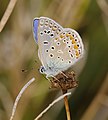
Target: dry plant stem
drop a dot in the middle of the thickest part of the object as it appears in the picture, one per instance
(50, 105)
(19, 96)
(65, 81)
(66, 105)
(7, 13)
(103, 6)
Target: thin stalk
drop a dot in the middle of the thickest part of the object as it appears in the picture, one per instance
(7, 13)
(66, 106)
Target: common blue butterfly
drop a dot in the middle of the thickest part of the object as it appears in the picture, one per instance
(59, 48)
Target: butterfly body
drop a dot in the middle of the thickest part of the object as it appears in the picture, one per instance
(59, 48)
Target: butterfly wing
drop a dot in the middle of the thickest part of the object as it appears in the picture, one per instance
(45, 29)
(66, 49)
(59, 48)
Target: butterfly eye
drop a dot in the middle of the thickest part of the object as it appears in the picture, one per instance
(42, 69)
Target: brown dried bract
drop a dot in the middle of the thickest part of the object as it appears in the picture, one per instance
(64, 81)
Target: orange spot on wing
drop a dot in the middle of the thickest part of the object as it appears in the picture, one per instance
(56, 38)
(71, 37)
(73, 41)
(54, 28)
(61, 36)
(75, 47)
(77, 53)
(67, 35)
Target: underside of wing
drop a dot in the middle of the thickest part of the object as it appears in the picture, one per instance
(66, 50)
(59, 48)
(45, 29)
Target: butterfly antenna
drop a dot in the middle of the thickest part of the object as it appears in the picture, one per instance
(47, 78)
(52, 77)
(55, 78)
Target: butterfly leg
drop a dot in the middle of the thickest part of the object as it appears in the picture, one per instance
(63, 74)
(47, 78)
(52, 77)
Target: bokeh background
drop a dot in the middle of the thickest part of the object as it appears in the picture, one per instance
(18, 51)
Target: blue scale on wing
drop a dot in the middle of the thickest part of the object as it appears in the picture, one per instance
(35, 29)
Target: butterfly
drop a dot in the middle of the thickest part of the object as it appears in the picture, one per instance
(58, 48)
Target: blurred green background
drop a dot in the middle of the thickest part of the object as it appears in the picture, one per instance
(18, 51)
